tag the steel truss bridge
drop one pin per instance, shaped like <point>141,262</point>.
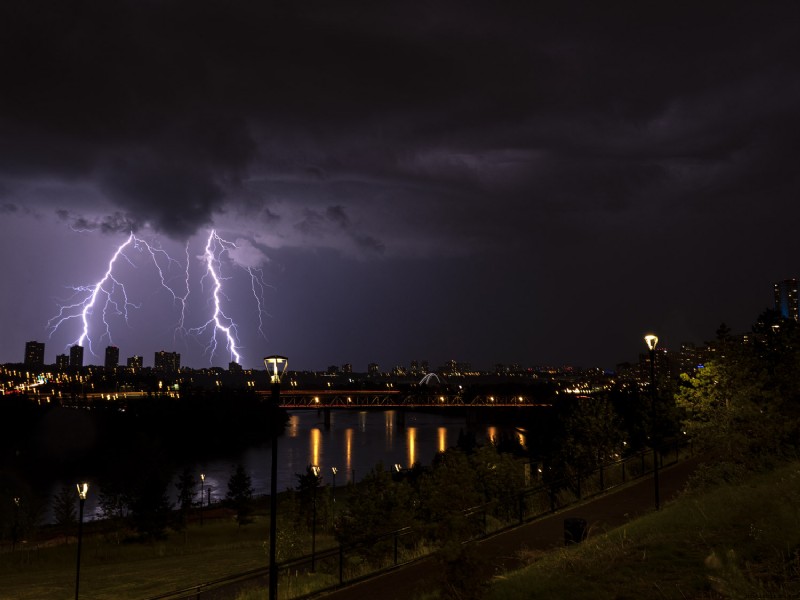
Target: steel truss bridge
<point>343,399</point>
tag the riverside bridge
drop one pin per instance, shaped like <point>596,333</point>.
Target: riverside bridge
<point>360,399</point>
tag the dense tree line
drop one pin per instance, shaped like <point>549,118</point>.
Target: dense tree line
<point>743,407</point>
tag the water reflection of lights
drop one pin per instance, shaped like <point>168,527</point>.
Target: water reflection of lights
<point>346,445</point>
<point>411,443</point>
<point>491,433</point>
<point>293,427</point>
<point>316,442</point>
<point>348,449</point>
<point>388,417</point>
<point>521,437</point>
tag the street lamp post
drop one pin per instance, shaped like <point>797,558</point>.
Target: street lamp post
<point>651,341</point>
<point>83,488</point>
<point>315,470</point>
<point>334,470</point>
<point>276,366</point>
<point>15,530</point>
<point>202,493</point>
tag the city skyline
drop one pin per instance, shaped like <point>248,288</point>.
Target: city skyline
<point>530,184</point>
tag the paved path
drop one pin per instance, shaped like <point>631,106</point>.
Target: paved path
<point>602,513</point>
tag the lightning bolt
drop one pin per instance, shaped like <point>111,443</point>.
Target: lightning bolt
<point>109,294</point>
<point>84,308</point>
<point>219,321</point>
<point>183,299</point>
<point>258,284</point>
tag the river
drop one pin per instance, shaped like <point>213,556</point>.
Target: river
<point>355,442</point>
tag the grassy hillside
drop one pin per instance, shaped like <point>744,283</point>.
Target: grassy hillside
<point>733,541</point>
<point>133,570</point>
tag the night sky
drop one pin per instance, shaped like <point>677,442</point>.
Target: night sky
<point>529,182</point>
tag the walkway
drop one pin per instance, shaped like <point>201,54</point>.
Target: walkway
<point>602,514</point>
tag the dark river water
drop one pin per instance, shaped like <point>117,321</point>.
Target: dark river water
<point>355,442</point>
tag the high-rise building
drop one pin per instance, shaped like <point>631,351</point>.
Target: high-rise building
<point>373,369</point>
<point>112,357</point>
<point>167,361</point>
<point>62,362</point>
<point>34,354</point>
<point>786,299</point>
<point>76,356</point>
<point>692,357</point>
<point>135,362</point>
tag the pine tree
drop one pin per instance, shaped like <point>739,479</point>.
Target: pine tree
<point>64,503</point>
<point>240,495</point>
<point>186,486</point>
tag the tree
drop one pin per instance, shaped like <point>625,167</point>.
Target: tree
<point>186,486</point>
<point>64,513</point>
<point>586,432</point>
<point>711,409</point>
<point>240,495</point>
<point>114,503</point>
<point>744,406</point>
<point>151,510</point>
<point>448,490</point>
<point>28,517</point>
<point>500,478</point>
<point>376,505</point>
<point>308,485</point>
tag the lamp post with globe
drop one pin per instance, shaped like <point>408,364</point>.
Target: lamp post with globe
<point>276,367</point>
<point>651,341</point>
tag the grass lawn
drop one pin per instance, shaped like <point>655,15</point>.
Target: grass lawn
<point>137,570</point>
<point>736,541</point>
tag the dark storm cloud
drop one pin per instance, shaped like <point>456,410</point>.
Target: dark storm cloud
<point>369,244</point>
<point>113,223</point>
<point>338,215</point>
<point>523,172</point>
<point>548,110</point>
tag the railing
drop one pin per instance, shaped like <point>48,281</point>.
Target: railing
<point>347,563</point>
<point>545,499</point>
